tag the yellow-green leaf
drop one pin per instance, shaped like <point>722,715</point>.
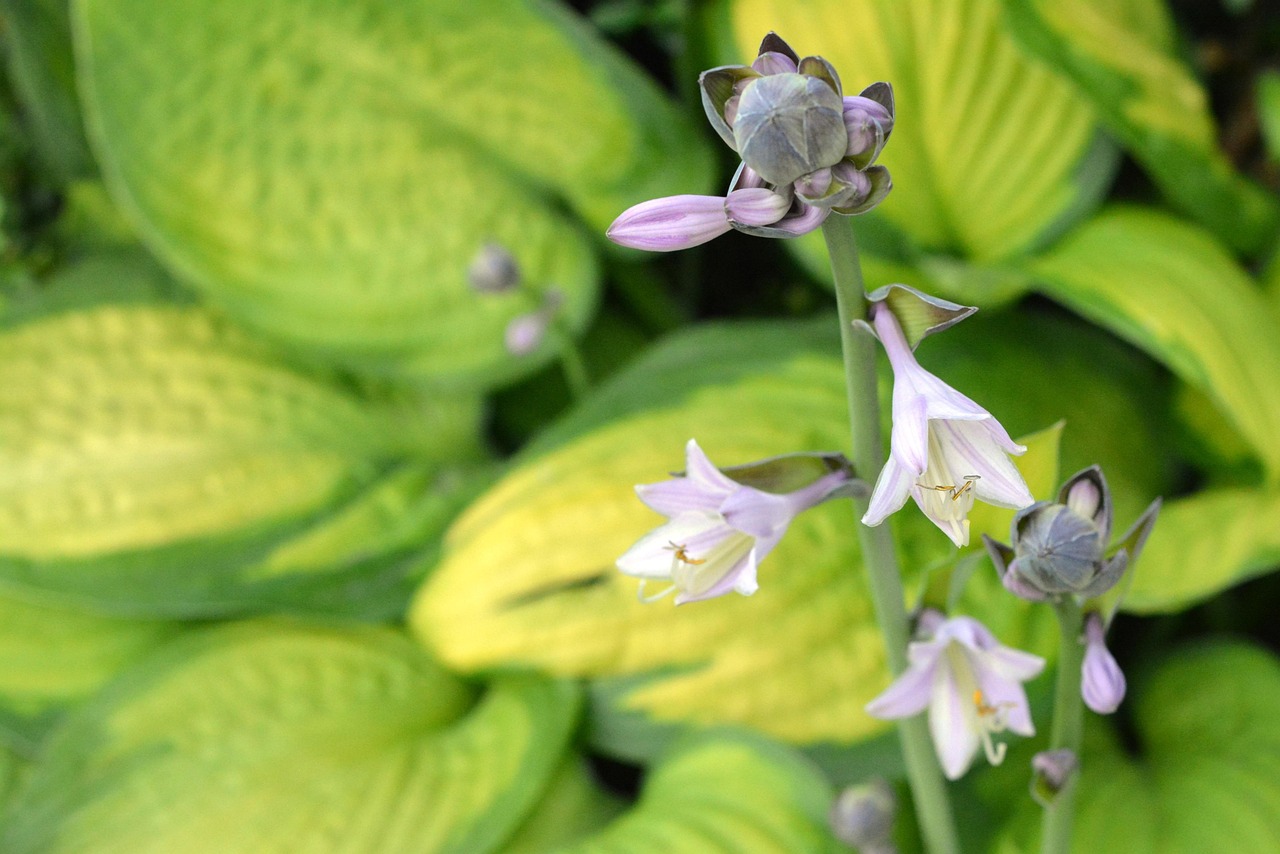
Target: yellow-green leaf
<point>1172,290</point>
<point>328,172</point>
<point>276,736</point>
<point>989,144</point>
<point>1152,103</point>
<point>723,793</point>
<point>51,657</point>
<point>1203,544</point>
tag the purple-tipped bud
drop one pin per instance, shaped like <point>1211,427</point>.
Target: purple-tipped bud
<point>814,185</point>
<point>525,333</point>
<point>1051,770</point>
<point>863,816</point>
<point>757,206</point>
<point>867,123</point>
<point>493,270</point>
<point>1101,680</point>
<point>667,224</point>
<point>773,62</point>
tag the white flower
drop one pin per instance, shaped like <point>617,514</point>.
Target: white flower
<point>717,532</point>
<point>972,687</point>
<point>945,450</point>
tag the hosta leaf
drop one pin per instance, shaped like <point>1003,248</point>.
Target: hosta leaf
<point>572,808</point>
<point>328,172</point>
<point>1173,291</point>
<point>1205,543</point>
<point>723,793</point>
<point>528,572</point>
<point>989,144</point>
<point>1206,775</point>
<point>51,657</point>
<point>151,451</point>
<point>1157,109</point>
<point>274,736</point>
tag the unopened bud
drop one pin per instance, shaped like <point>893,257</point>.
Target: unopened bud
<point>493,270</point>
<point>1102,682</point>
<point>788,125</point>
<point>863,816</point>
<point>1051,769</point>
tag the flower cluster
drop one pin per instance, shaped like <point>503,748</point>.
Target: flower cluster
<point>807,151</point>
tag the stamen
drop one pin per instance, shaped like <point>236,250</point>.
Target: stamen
<point>991,719</point>
<point>682,555</point>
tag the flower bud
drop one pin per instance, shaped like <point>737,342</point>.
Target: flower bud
<point>1102,682</point>
<point>788,125</point>
<point>493,270</point>
<point>863,816</point>
<point>670,223</point>
<point>868,124</point>
<point>1051,770</point>
<point>526,332</point>
<point>1060,548</point>
<point>759,206</point>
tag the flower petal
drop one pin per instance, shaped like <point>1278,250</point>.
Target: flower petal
<point>757,513</point>
<point>698,467</point>
<point>1006,696</point>
<point>969,449</point>
<point>908,695</point>
<point>953,724</point>
<point>891,491</point>
<point>679,495</point>
<point>670,223</point>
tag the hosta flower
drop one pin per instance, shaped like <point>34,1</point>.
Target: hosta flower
<point>807,151</point>
<point>1102,683</point>
<point>945,450</point>
<point>1061,548</point>
<point>972,687</point>
<point>718,528</point>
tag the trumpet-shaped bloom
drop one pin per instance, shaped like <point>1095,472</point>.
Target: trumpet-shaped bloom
<point>718,530</point>
<point>945,450</point>
<point>972,687</point>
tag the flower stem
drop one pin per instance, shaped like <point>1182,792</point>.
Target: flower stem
<point>1068,725</point>
<point>928,789</point>
<point>572,365</point>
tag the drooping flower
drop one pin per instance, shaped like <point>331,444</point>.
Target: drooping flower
<point>945,450</point>
<point>720,529</point>
<point>1102,682</point>
<point>972,687</point>
<point>807,151</point>
<point>1061,548</point>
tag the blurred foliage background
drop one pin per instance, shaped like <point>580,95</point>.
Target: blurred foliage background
<point>322,397</point>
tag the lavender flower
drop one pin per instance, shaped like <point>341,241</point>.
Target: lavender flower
<point>945,450</point>
<point>971,685</point>
<point>807,151</point>
<point>718,529</point>
<point>1101,681</point>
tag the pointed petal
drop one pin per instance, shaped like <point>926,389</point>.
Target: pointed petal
<point>891,491</point>
<point>908,695</point>
<point>909,437</point>
<point>679,495</point>
<point>952,724</point>
<point>968,448</point>
<point>700,468</point>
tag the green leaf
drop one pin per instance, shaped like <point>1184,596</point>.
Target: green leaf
<point>42,68</point>
<point>275,736</point>
<point>724,793</point>
<point>1172,290</point>
<point>572,808</point>
<point>1205,777</point>
<point>1202,545</point>
<point>528,572</point>
<point>51,657</point>
<point>328,173</point>
<point>1268,94</point>
<point>152,454</point>
<point>990,149</point>
<point>1156,108</point>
